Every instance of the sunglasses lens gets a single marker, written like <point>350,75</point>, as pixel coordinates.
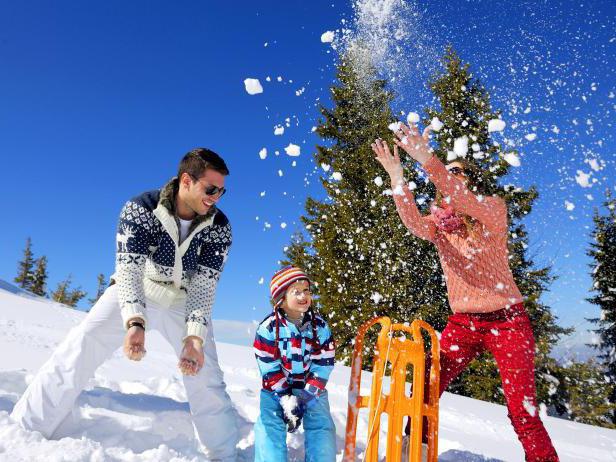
<point>212,190</point>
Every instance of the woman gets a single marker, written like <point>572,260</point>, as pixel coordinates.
<point>470,234</point>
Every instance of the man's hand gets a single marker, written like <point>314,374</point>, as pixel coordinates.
<point>191,359</point>
<point>413,143</point>
<point>134,342</point>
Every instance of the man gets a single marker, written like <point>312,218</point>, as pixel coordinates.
<point>171,248</point>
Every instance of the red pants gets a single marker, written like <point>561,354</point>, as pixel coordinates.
<point>508,335</point>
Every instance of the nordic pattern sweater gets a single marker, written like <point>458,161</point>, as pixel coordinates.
<point>476,264</point>
<point>301,362</point>
<point>150,259</point>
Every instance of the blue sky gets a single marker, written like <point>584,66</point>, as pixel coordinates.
<point>99,101</point>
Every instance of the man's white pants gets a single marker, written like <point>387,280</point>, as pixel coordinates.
<point>51,395</point>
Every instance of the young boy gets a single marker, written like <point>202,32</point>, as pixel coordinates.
<point>295,353</point>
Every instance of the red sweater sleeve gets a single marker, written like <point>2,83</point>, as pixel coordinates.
<point>419,225</point>
<point>491,211</point>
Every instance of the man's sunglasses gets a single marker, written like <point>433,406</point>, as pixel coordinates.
<point>211,190</point>
<point>456,170</point>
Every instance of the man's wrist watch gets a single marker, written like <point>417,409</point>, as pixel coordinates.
<point>136,323</point>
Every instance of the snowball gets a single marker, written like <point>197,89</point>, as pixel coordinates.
<point>512,159</point>
<point>263,153</point>
<point>594,164</point>
<point>327,37</point>
<point>261,281</point>
<point>460,146</point>
<point>253,86</point>
<point>288,403</point>
<point>378,181</point>
<point>451,156</point>
<point>376,297</point>
<point>530,408</point>
<point>436,124</point>
<point>337,176</point>
<point>496,125</point>
<point>325,167</point>
<point>412,185</point>
<point>292,150</point>
<point>412,118</point>
<point>279,172</point>
<point>583,179</point>
<point>569,205</point>
<point>278,130</point>
<point>283,225</point>
<point>394,126</point>
<point>531,137</point>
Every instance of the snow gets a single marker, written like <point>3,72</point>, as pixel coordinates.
<point>278,130</point>
<point>583,179</point>
<point>531,136</point>
<point>436,124</point>
<point>253,86</point>
<point>496,125</point>
<point>292,150</point>
<point>138,411</point>
<point>394,126</point>
<point>460,146</point>
<point>378,181</point>
<point>512,159</point>
<point>412,117</point>
<point>337,176</point>
<point>327,37</point>
<point>263,153</point>
<point>569,206</point>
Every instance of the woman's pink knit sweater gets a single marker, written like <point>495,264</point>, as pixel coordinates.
<point>476,266</point>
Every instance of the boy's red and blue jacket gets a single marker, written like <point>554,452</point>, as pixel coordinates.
<point>302,363</point>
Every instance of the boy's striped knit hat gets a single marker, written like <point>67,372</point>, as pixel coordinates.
<point>283,279</point>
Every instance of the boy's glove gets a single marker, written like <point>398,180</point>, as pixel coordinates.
<point>293,410</point>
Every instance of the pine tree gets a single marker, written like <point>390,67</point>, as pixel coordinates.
<point>64,294</point>
<point>100,289</point>
<point>603,251</point>
<point>363,260</point>
<point>464,109</point>
<point>591,394</point>
<point>25,273</point>
<point>39,281</point>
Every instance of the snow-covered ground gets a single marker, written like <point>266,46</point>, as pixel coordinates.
<point>138,411</point>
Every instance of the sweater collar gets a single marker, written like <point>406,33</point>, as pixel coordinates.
<point>168,194</point>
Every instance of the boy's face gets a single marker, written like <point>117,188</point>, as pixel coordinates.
<point>298,299</point>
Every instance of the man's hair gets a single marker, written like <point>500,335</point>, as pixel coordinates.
<point>197,161</point>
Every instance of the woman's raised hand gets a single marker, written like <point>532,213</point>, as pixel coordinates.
<point>414,144</point>
<point>390,163</point>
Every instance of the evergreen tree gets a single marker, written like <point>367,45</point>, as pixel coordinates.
<point>590,394</point>
<point>603,251</point>
<point>363,260</point>
<point>465,111</point>
<point>25,273</point>
<point>39,281</point>
<point>100,289</point>
<point>64,294</point>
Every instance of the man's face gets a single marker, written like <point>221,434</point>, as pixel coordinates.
<point>194,192</point>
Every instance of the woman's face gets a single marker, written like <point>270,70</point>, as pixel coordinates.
<point>457,169</point>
